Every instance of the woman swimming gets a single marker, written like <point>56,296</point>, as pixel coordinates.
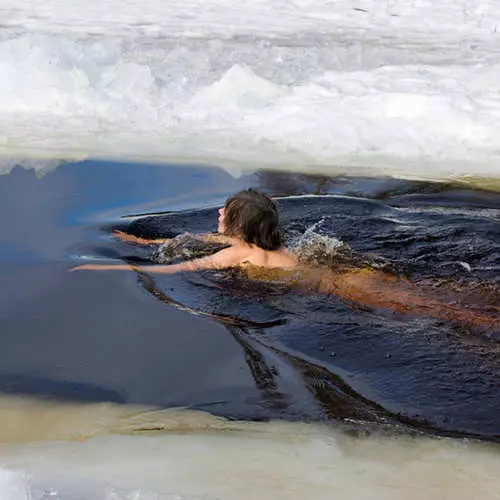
<point>249,224</point>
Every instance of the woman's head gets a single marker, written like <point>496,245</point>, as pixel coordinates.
<point>253,217</point>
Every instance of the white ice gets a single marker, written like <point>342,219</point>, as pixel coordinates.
<point>407,87</point>
<point>103,452</point>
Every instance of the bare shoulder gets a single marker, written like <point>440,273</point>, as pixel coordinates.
<point>228,257</point>
<point>239,253</point>
<point>288,258</point>
<point>269,258</point>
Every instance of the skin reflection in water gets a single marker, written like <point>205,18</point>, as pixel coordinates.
<point>375,289</point>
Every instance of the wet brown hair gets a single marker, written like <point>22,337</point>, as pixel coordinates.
<point>254,217</point>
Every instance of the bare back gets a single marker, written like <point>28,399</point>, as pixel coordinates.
<point>265,258</point>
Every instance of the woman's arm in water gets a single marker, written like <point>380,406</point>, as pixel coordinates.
<point>208,237</point>
<point>130,238</point>
<point>228,257</point>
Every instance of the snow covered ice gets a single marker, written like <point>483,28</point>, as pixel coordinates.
<point>404,87</point>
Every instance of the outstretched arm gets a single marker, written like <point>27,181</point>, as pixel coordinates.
<point>120,235</point>
<point>228,257</point>
<point>208,237</point>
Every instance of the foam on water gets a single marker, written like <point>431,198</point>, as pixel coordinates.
<point>351,86</point>
<point>136,453</point>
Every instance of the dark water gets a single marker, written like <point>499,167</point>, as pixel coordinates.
<point>235,347</point>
